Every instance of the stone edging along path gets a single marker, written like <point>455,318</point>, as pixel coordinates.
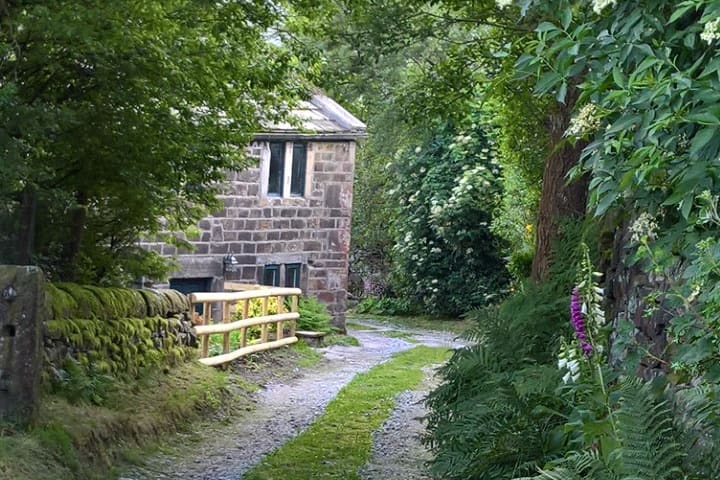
<point>285,409</point>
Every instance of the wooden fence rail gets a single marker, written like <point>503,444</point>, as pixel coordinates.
<point>228,303</point>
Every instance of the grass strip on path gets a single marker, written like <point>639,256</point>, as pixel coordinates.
<point>455,325</point>
<point>339,442</point>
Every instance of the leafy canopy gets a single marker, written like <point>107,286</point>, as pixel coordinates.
<point>118,114</point>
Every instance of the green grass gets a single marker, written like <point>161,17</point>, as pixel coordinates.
<point>455,325</point>
<point>340,441</point>
<point>307,356</point>
<point>71,441</point>
<point>342,340</point>
<point>359,326</point>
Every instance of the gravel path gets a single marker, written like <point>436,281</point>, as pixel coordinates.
<point>398,453</point>
<point>286,409</point>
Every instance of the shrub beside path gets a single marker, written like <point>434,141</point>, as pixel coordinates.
<point>285,409</point>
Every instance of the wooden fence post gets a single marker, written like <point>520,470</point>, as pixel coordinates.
<point>243,330</point>
<point>226,319</point>
<point>205,342</point>
<point>228,304</point>
<point>264,328</point>
<point>293,309</point>
<point>279,324</point>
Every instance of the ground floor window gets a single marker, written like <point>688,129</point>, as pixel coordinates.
<point>287,275</point>
<point>271,275</point>
<point>292,275</point>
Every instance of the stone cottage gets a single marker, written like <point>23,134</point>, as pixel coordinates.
<point>287,221</point>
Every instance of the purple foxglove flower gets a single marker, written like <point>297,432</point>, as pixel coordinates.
<point>576,317</point>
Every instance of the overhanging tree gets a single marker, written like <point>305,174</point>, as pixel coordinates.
<point>118,118</point>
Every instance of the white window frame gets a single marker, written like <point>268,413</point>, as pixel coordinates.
<point>287,169</point>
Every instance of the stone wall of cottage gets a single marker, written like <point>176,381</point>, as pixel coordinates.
<point>313,231</point>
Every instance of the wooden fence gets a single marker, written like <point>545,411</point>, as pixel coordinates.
<point>228,304</point>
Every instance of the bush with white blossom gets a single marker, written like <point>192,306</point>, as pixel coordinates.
<point>446,259</point>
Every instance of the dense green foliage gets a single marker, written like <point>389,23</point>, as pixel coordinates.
<point>445,258</point>
<point>425,127</point>
<point>119,117</point>
<point>314,316</point>
<point>650,109</point>
<point>623,96</point>
<point>497,414</point>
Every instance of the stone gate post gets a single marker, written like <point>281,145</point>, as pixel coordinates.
<point>23,312</point>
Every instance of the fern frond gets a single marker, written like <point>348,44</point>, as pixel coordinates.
<point>648,449</point>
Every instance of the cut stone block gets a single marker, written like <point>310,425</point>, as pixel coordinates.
<point>23,311</point>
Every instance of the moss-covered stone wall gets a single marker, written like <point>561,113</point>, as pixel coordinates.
<point>116,331</point>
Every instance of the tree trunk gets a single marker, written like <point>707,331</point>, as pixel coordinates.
<point>72,247</point>
<point>559,199</point>
<point>26,236</point>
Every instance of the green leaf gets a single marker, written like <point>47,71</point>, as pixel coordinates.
<point>701,139</point>
<point>683,8</point>
<point>566,17</point>
<point>704,118</point>
<point>605,203</point>
<point>686,205</point>
<point>547,82</point>
<point>712,67</point>
<point>562,92</point>
<point>618,77</point>
<point>624,123</point>
<point>696,352</point>
<point>546,27</point>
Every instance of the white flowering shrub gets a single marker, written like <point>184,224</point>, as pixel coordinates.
<point>445,257</point>
<point>586,122</point>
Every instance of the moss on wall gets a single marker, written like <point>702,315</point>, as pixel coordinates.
<point>116,331</point>
<point>69,300</point>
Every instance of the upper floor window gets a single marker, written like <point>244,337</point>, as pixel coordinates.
<point>286,169</point>
<point>299,162</point>
<point>276,169</point>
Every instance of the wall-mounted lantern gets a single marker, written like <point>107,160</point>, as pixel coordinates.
<point>230,264</point>
<point>9,293</point>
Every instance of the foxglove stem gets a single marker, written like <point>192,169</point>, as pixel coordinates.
<point>576,317</point>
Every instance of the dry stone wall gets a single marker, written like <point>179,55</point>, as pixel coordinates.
<point>116,331</point>
<point>259,230</point>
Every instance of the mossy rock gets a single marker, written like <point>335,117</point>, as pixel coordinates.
<point>154,302</point>
<point>179,302</point>
<point>62,304</point>
<point>163,303</point>
<point>129,302</point>
<point>69,300</point>
<point>88,304</point>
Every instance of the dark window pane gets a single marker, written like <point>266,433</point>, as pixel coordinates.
<point>292,275</point>
<point>192,285</point>
<point>297,185</point>
<point>277,162</point>
<point>271,275</point>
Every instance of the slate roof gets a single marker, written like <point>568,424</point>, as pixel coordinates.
<point>318,117</point>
